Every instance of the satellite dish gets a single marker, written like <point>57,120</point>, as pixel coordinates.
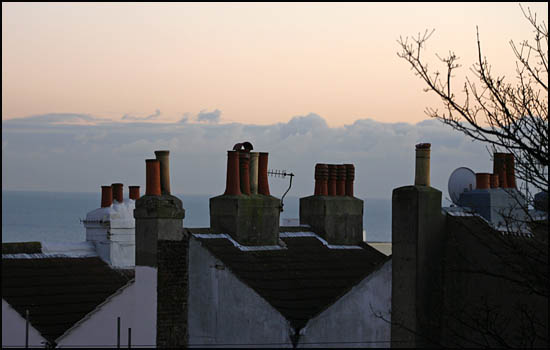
<point>461,180</point>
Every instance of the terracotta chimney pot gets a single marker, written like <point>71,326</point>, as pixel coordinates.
<point>422,169</point>
<point>332,177</point>
<point>232,181</point>
<point>263,184</point>
<point>510,170</point>
<point>482,181</point>
<point>350,176</point>
<point>244,172</point>
<point>341,180</point>
<point>494,180</point>
<point>152,177</point>
<point>118,193</point>
<point>319,174</point>
<point>164,159</point>
<point>134,192</point>
<point>106,196</point>
<point>499,168</point>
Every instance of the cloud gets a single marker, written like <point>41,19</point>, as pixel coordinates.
<point>55,119</point>
<point>185,118</point>
<point>149,117</point>
<point>209,117</point>
<point>106,152</point>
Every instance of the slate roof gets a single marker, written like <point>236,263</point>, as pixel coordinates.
<point>58,292</point>
<point>302,280</point>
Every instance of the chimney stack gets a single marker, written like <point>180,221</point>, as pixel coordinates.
<point>163,158</point>
<point>338,218</point>
<point>106,196</point>
<point>118,192</point>
<point>251,219</point>
<point>499,168</point>
<point>422,169</point>
<point>134,192</point>
<point>253,168</point>
<point>510,170</point>
<point>417,249</point>
<point>162,250</point>
<point>482,181</point>
<point>152,177</point>
<point>350,176</point>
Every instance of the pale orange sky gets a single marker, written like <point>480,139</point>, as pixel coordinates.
<point>258,63</point>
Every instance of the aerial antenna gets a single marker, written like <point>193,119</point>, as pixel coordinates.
<point>281,174</point>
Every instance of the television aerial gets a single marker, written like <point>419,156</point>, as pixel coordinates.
<point>461,180</point>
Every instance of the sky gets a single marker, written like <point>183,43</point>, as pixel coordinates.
<point>89,90</point>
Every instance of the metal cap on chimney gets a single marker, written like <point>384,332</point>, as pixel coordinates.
<point>422,169</point>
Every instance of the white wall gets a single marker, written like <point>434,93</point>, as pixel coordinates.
<point>350,320</point>
<point>223,310</point>
<point>136,305</point>
<point>13,329</point>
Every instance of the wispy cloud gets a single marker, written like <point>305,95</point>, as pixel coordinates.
<point>149,117</point>
<point>209,117</point>
<point>102,152</point>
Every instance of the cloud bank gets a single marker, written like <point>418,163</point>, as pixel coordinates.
<point>76,152</point>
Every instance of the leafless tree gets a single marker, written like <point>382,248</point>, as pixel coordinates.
<point>509,117</point>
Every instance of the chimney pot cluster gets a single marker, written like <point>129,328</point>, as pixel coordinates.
<point>116,192</point>
<point>334,179</point>
<point>246,171</point>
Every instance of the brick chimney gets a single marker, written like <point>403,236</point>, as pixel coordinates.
<point>417,247</point>
<point>250,219</point>
<point>332,214</point>
<point>162,254</point>
<point>111,228</point>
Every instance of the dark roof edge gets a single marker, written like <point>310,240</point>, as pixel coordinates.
<point>89,314</point>
<point>21,248</point>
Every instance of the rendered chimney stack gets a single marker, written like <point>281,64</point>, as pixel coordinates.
<point>499,168</point>
<point>510,170</point>
<point>164,158</point>
<point>332,177</point>
<point>494,180</point>
<point>263,184</point>
<point>152,175</point>
<point>482,181</point>
<point>106,196</point>
<point>422,169</point>
<point>232,183</point>
<point>244,172</point>
<point>253,169</point>
<point>350,176</point>
<point>118,192</point>
<point>134,192</point>
<point>341,180</point>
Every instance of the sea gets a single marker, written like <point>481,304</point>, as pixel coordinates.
<point>56,216</point>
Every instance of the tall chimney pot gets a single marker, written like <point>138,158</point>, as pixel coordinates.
<point>499,168</point>
<point>350,176</point>
<point>494,180</point>
<point>482,181</point>
<point>341,180</point>
<point>134,192</point>
<point>106,196</point>
<point>118,192</point>
<point>422,169</point>
<point>232,183</point>
<point>332,177</point>
<point>263,184</point>
<point>244,172</point>
<point>320,170</point>
<point>164,159</point>
<point>510,170</point>
<point>253,169</point>
<point>152,177</point>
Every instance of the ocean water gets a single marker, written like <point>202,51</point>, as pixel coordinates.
<point>51,216</point>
